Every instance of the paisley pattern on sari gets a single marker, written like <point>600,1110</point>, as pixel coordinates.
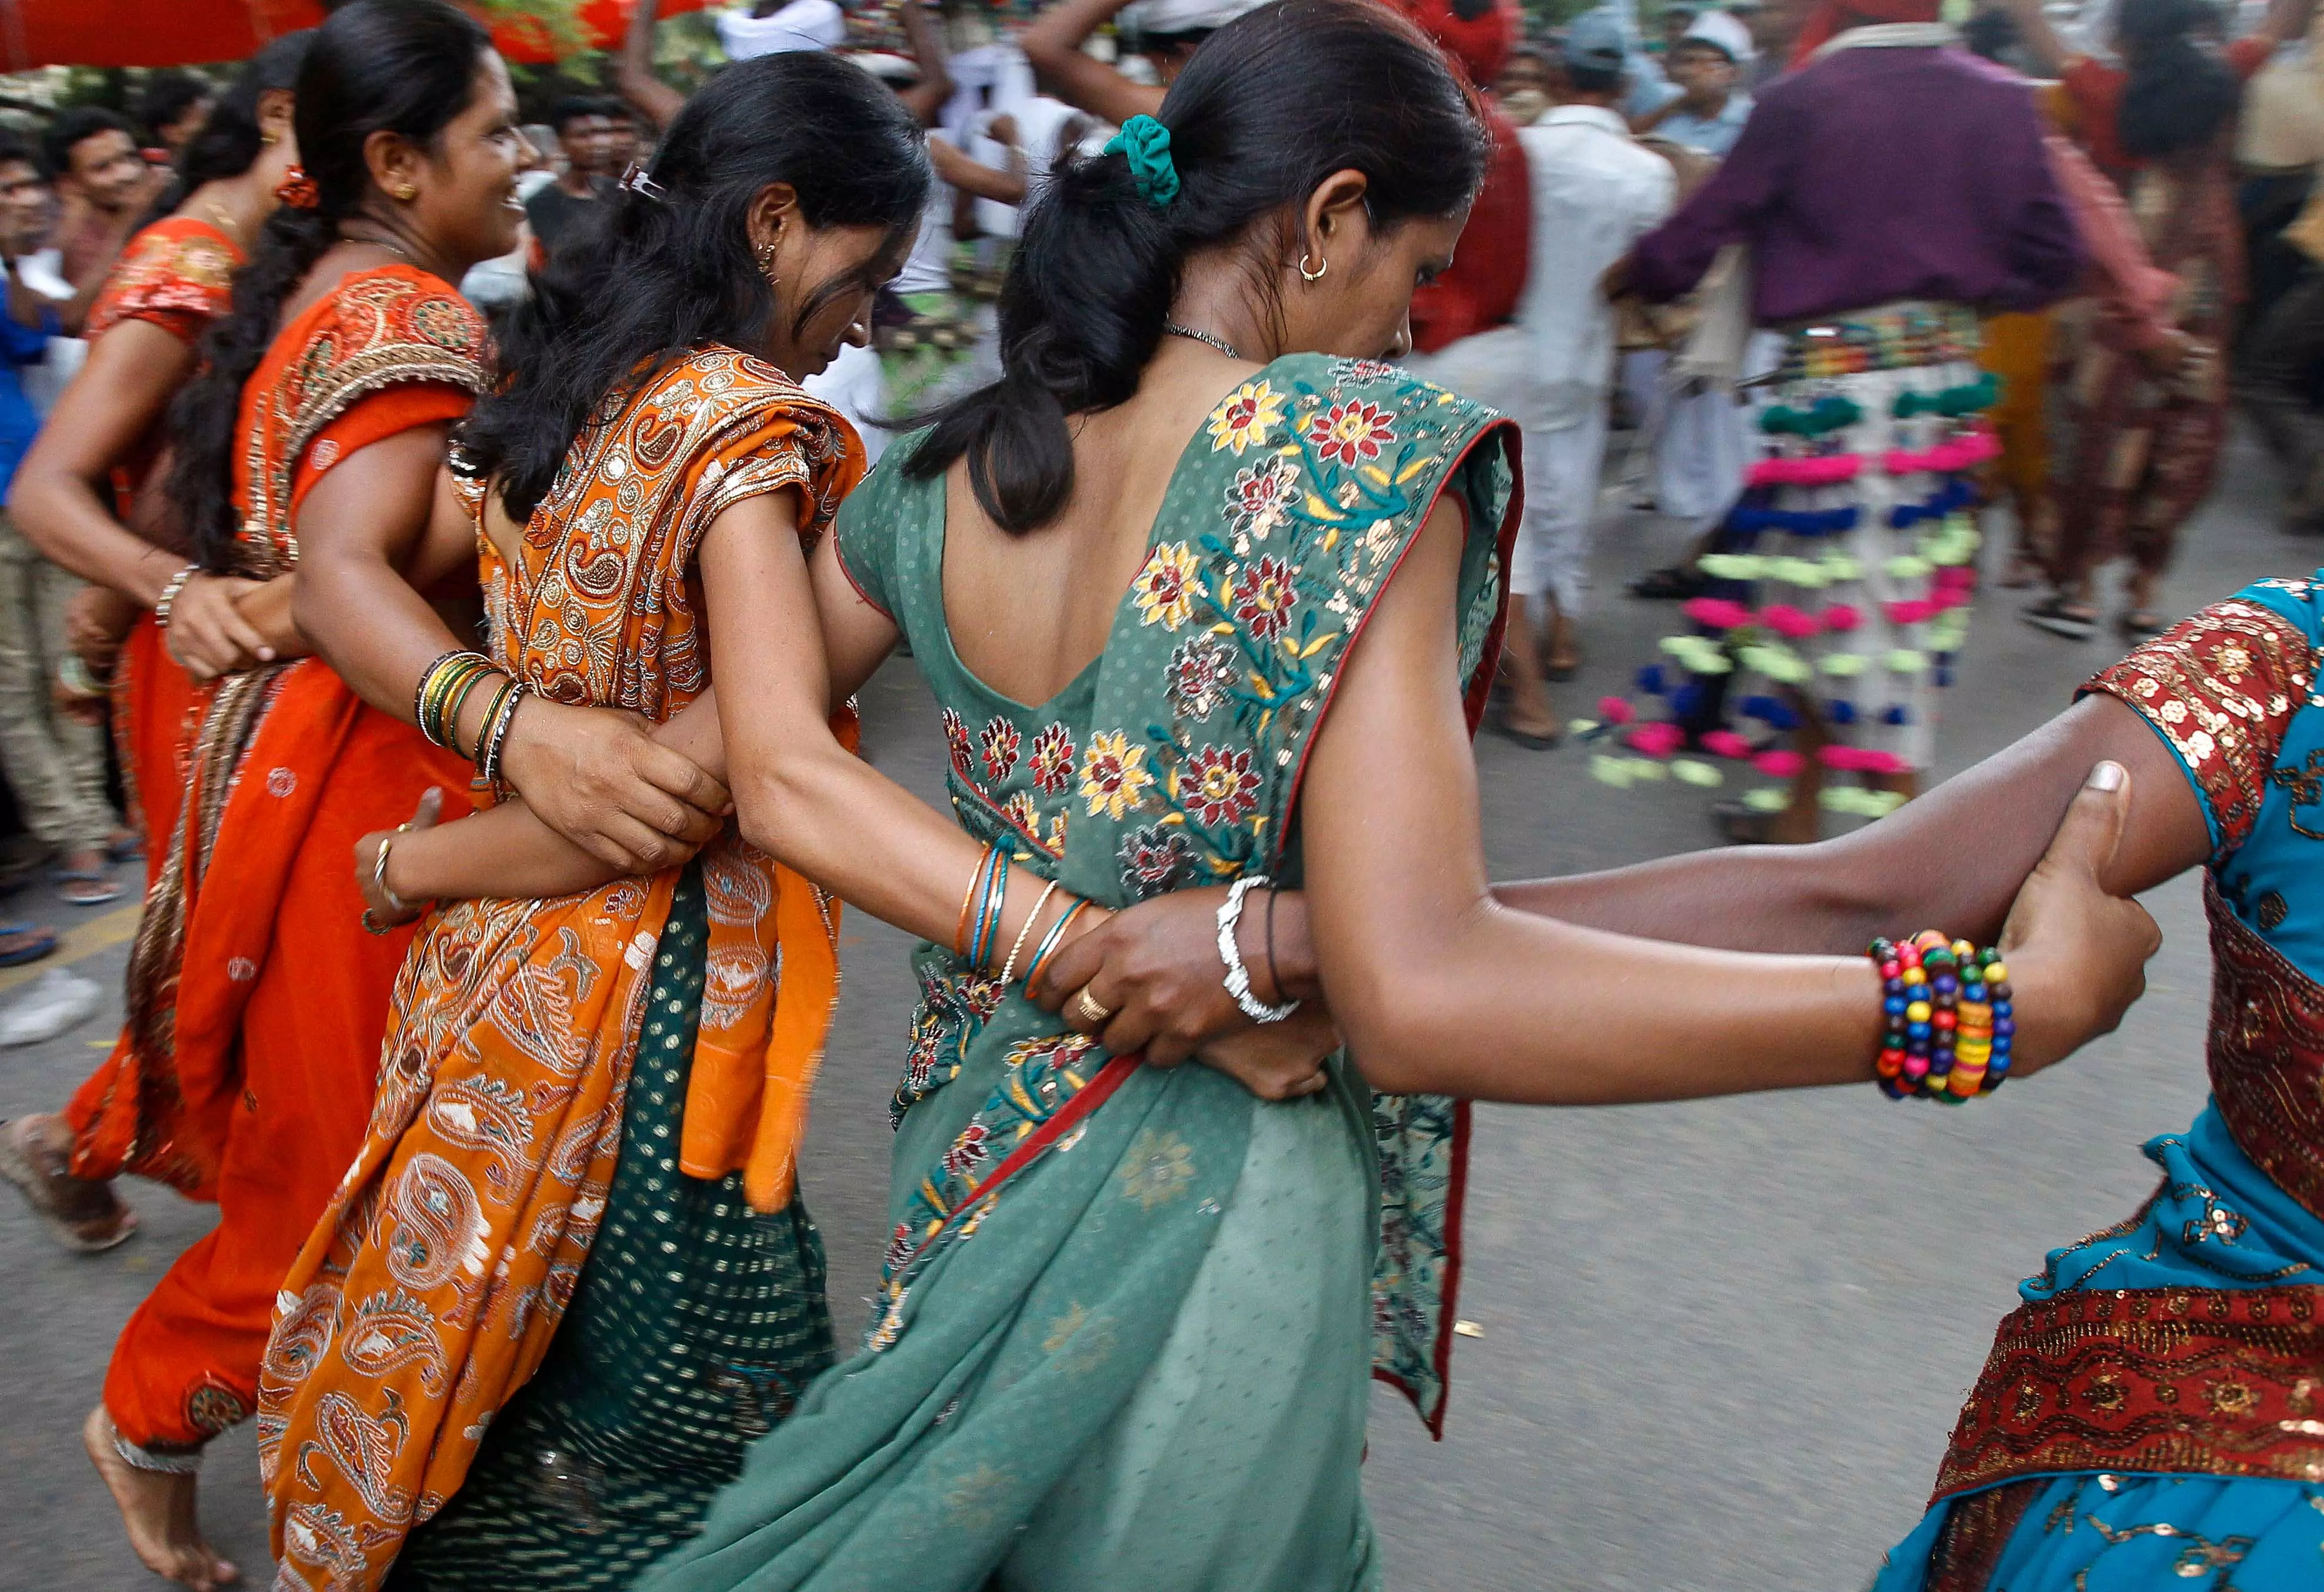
<point>2156,1405</point>
<point>431,1289</point>
<point>1064,1223</point>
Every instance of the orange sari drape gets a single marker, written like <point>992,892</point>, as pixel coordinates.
<point>256,1001</point>
<point>177,275</point>
<point>432,1288</point>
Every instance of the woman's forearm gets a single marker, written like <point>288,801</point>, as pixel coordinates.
<point>1952,859</point>
<point>64,515</point>
<point>62,495</point>
<point>1607,1020</point>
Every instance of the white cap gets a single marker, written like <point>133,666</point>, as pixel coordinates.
<point>1183,16</point>
<point>1716,27</point>
<point>803,24</point>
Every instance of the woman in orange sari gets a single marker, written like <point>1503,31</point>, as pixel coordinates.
<point>88,496</point>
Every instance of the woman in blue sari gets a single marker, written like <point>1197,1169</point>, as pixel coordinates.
<point>2152,1414</point>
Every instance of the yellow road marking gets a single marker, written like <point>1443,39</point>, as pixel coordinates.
<point>84,940</point>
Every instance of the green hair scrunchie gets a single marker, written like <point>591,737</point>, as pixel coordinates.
<point>1145,143</point>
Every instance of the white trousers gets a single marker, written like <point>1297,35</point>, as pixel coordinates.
<point>1561,511</point>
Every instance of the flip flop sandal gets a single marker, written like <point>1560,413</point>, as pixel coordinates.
<point>51,1193</point>
<point>1525,738</point>
<point>38,942</point>
<point>2061,617</point>
<point>112,891</point>
<point>2139,623</point>
<point>1674,584</point>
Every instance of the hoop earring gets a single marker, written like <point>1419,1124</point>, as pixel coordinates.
<point>1314,275</point>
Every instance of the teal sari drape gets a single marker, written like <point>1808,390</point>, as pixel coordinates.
<point>1127,1314</point>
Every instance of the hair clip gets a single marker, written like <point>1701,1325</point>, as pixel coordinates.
<point>636,181</point>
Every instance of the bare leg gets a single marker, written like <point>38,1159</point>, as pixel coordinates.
<point>84,1214</point>
<point>157,1508</point>
<point>1565,652</point>
<point>1529,714</point>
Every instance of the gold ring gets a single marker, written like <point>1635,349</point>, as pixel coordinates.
<point>1086,1008</point>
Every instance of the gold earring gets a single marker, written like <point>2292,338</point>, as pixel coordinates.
<point>1314,275</point>
<point>765,256</point>
<point>270,139</point>
<point>405,193</point>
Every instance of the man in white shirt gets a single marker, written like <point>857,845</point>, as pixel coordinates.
<point>1595,191</point>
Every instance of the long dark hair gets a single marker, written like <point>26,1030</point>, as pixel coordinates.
<point>229,141</point>
<point>2178,95</point>
<point>661,274</point>
<point>398,66</point>
<point>1271,104</point>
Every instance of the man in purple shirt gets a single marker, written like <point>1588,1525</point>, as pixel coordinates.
<point>1876,174</point>
<point>1885,194</point>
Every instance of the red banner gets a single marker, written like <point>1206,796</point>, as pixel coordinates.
<point>184,32</point>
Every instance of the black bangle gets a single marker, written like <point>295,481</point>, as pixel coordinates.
<point>1273,977</point>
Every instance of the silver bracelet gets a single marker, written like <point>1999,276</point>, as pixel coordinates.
<point>1238,978</point>
<point>170,593</point>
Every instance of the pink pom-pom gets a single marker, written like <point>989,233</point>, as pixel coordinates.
<point>1726,742</point>
<point>1615,710</point>
<point>1788,622</point>
<point>1882,763</point>
<point>1845,759</point>
<point>1717,613</point>
<point>1656,740</point>
<point>1951,596</point>
<point>1841,617</point>
<point>1962,576</point>
<point>1779,764</point>
<point>1911,611</point>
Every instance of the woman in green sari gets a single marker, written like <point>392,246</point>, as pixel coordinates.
<point>1128,1311</point>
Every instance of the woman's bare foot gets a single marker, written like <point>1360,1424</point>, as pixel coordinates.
<point>84,1214</point>
<point>157,1508</point>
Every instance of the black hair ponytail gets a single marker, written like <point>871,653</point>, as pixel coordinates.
<point>2178,95</point>
<point>669,269</point>
<point>229,141</point>
<point>400,66</point>
<point>1268,106</point>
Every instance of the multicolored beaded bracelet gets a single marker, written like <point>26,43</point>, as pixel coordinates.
<point>1949,1023</point>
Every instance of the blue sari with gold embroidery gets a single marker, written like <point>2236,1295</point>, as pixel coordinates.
<point>2152,1415</point>
<point>1126,1315</point>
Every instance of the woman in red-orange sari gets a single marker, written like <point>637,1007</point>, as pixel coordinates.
<point>87,495</point>
<point>255,1068</point>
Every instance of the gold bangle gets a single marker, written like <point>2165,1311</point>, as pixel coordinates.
<point>1008,967</point>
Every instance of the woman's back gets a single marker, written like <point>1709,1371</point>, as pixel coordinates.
<point>1029,612</point>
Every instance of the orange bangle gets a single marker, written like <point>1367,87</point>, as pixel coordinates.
<point>967,905</point>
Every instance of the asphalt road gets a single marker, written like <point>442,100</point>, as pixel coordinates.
<point>1722,1344</point>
